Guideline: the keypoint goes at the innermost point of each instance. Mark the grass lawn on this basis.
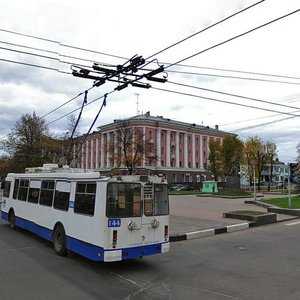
(184, 192)
(233, 193)
(283, 202)
(228, 193)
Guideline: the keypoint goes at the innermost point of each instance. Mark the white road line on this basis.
(294, 223)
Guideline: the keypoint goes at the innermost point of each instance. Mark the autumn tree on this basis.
(232, 153)
(29, 143)
(255, 156)
(5, 166)
(270, 152)
(215, 158)
(129, 148)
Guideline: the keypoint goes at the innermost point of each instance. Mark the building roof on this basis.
(160, 120)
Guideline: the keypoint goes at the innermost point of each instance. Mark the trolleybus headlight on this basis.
(132, 225)
(155, 224)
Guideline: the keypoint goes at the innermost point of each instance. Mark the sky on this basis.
(226, 60)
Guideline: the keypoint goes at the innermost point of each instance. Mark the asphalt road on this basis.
(258, 263)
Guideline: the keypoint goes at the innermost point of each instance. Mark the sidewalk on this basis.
(192, 216)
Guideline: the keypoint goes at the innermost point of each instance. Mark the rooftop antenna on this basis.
(137, 103)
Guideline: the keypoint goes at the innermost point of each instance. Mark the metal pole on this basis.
(254, 185)
(289, 186)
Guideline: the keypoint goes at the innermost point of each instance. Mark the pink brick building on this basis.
(180, 149)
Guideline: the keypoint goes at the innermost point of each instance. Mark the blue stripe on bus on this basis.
(4, 216)
(87, 250)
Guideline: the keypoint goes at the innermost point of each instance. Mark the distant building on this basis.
(280, 172)
(179, 149)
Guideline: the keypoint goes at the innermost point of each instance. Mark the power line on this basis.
(59, 43)
(207, 28)
(233, 38)
(53, 52)
(234, 95)
(237, 77)
(262, 124)
(223, 101)
(96, 99)
(35, 65)
(164, 63)
(233, 71)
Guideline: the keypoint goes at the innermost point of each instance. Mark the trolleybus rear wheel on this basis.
(12, 220)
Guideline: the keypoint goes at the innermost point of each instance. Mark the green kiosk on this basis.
(209, 187)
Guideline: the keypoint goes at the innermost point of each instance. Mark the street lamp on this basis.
(254, 184)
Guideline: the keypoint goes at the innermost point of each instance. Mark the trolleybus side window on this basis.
(6, 191)
(62, 195)
(123, 200)
(161, 203)
(85, 198)
(47, 192)
(34, 191)
(23, 189)
(16, 188)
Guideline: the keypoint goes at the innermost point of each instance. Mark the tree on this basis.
(254, 156)
(67, 140)
(232, 153)
(5, 166)
(270, 150)
(29, 144)
(129, 148)
(215, 158)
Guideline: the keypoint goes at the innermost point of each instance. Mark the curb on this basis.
(226, 229)
(210, 232)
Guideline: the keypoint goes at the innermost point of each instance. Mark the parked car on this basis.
(180, 187)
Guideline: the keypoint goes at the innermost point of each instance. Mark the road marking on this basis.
(294, 223)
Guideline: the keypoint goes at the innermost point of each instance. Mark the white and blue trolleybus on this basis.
(103, 218)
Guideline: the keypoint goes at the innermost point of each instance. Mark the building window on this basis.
(181, 138)
(162, 150)
(197, 141)
(180, 164)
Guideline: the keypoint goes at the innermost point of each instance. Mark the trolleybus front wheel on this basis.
(59, 241)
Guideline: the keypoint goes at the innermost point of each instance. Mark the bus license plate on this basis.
(114, 222)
